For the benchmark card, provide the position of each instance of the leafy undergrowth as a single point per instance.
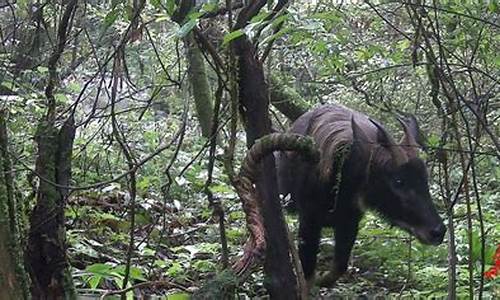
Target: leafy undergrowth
(177, 244)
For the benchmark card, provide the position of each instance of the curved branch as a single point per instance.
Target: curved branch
(244, 184)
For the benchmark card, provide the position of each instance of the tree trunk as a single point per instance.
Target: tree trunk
(200, 86)
(46, 251)
(13, 281)
(254, 101)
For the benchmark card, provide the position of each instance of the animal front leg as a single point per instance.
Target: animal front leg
(309, 235)
(345, 230)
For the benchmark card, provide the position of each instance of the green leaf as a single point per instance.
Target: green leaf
(143, 183)
(327, 16)
(101, 269)
(94, 281)
(130, 12)
(489, 254)
(118, 281)
(155, 3)
(221, 188)
(109, 19)
(259, 17)
(175, 269)
(42, 69)
(171, 6)
(74, 87)
(61, 98)
(209, 7)
(433, 140)
(279, 20)
(186, 28)
(178, 296)
(204, 266)
(476, 246)
(194, 15)
(496, 60)
(493, 6)
(231, 36)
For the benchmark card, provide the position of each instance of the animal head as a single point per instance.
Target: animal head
(397, 181)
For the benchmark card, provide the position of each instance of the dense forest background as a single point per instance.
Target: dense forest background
(124, 123)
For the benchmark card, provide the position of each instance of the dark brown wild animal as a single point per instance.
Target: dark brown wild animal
(360, 167)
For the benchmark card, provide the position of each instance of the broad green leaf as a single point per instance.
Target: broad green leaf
(476, 246)
(204, 266)
(155, 3)
(74, 86)
(231, 36)
(433, 140)
(171, 6)
(186, 28)
(109, 19)
(280, 20)
(130, 12)
(42, 69)
(118, 281)
(175, 269)
(209, 7)
(179, 296)
(143, 183)
(94, 281)
(61, 98)
(493, 6)
(102, 269)
(221, 188)
(259, 17)
(497, 61)
(194, 15)
(277, 35)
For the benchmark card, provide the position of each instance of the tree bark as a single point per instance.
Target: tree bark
(254, 106)
(13, 281)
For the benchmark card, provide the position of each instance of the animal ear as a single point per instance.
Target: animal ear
(360, 140)
(386, 141)
(413, 138)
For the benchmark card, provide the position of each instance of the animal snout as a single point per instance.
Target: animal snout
(437, 234)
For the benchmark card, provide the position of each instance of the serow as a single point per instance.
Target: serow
(360, 167)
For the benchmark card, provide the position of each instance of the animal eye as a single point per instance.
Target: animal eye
(398, 182)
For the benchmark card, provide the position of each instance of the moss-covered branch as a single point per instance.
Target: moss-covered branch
(286, 99)
(200, 87)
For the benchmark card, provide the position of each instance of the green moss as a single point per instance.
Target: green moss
(221, 287)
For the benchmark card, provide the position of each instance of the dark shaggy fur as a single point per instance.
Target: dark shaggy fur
(360, 167)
